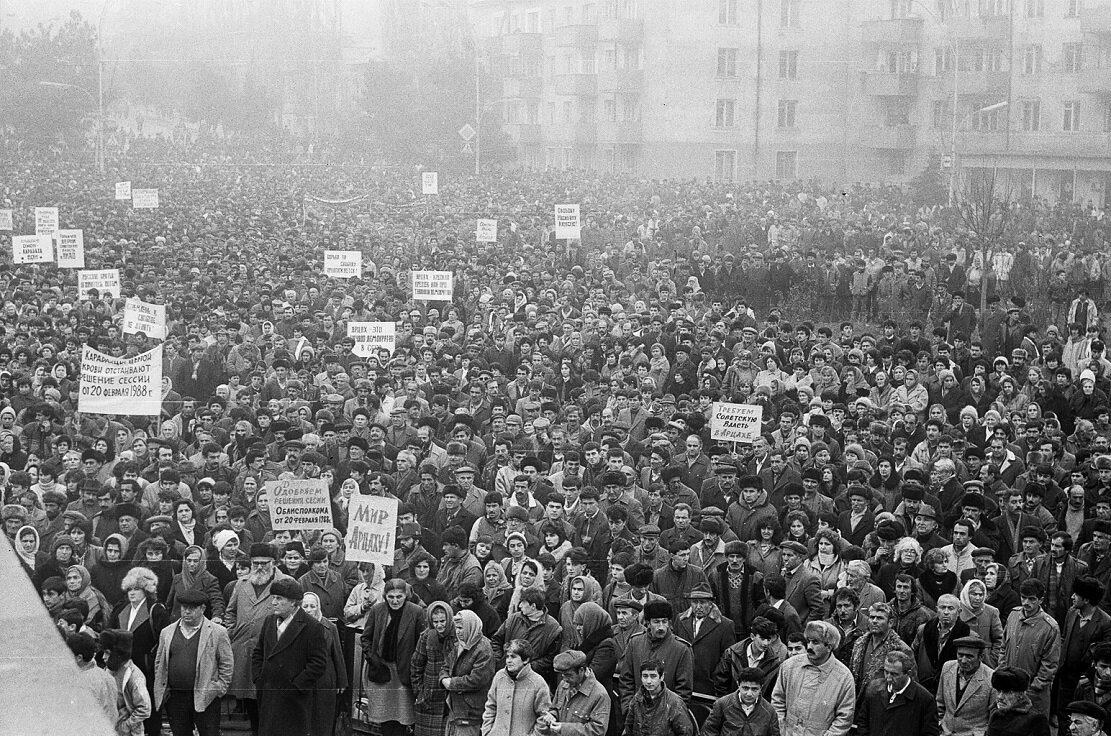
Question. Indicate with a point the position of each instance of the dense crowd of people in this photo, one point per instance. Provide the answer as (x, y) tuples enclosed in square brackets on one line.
[(916, 540)]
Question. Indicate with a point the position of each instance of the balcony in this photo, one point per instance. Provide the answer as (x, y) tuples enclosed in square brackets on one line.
[(887, 84), (894, 138), (1096, 20), (526, 134), (1069, 145), (980, 84), (579, 36), (523, 86), (625, 31), (576, 85), (622, 131), (973, 142), (893, 31), (995, 27), (620, 80), (1096, 81), (522, 44)]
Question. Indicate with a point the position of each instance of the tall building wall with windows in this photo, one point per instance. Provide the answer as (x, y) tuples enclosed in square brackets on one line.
[(841, 90)]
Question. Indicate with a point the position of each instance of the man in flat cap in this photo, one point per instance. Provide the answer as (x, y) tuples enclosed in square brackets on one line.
[(581, 706), (965, 698), (290, 657)]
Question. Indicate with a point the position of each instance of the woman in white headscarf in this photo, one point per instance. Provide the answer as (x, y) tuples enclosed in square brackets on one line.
[(334, 679)]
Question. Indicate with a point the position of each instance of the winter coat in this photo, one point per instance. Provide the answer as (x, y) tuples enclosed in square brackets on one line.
[(715, 636), (514, 703), (664, 715), (911, 712), (1034, 644), (678, 662), (827, 709)]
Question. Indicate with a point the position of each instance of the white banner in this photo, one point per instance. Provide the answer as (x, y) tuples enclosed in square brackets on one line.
[(140, 316), (299, 504), (6, 221), (130, 386), (370, 336), (430, 182), (46, 220), (567, 223), (343, 264), (371, 529), (486, 231), (144, 199), (106, 281), (70, 246), (32, 249), (735, 422), (433, 286), (123, 190)]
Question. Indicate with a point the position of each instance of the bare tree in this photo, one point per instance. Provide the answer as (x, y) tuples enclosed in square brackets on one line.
[(989, 212)]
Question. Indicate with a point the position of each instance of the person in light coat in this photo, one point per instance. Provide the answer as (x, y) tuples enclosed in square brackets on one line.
[(969, 714), (133, 700), (815, 693), (1033, 643), (518, 696)]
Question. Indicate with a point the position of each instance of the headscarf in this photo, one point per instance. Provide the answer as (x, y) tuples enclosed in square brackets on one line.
[(87, 593), (123, 547), (502, 584), (966, 601), (596, 625), (449, 632), (469, 631), (28, 558), (318, 613), (187, 577)]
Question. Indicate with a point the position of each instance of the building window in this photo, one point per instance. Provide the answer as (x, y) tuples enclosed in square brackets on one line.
[(990, 8), (1032, 116), (1032, 59), (1034, 8), (1072, 8), (727, 12), (609, 110), (725, 114), (786, 113), (1072, 57), (942, 9), (786, 164), (995, 60), (727, 63), (900, 8), (789, 13), (788, 64), (943, 60), (1071, 122), (725, 166), (568, 111), (941, 117), (986, 121)]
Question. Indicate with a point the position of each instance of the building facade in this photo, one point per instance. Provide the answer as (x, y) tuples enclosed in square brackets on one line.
[(839, 90)]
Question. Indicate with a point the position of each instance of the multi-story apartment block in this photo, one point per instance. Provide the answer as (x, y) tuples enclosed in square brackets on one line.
[(840, 90)]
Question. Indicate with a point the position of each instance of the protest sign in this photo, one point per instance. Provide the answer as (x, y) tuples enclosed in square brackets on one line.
[(370, 336), (32, 249), (299, 504), (432, 286), (120, 385), (486, 231), (430, 183), (567, 224), (46, 220), (70, 245), (123, 190), (735, 422), (140, 316), (106, 281), (343, 264), (144, 199), (371, 526), (6, 222)]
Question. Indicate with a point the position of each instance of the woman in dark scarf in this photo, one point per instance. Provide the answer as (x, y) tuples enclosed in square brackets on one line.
[(429, 658), (389, 639), (596, 641), (497, 588), (107, 574), (997, 580), (195, 576)]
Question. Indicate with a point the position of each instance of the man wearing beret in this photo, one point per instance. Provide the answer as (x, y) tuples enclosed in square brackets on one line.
[(190, 695), (1085, 718), (291, 655), (248, 607), (581, 706), (965, 698)]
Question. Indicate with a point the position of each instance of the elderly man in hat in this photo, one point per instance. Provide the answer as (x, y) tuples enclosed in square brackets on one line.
[(1014, 714), (658, 642), (1085, 718), (965, 698), (248, 607), (581, 706), (649, 551), (708, 632), (192, 669), (677, 578), (804, 589), (1086, 624), (290, 656)]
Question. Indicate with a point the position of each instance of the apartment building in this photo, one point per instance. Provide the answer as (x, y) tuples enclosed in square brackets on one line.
[(840, 90)]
